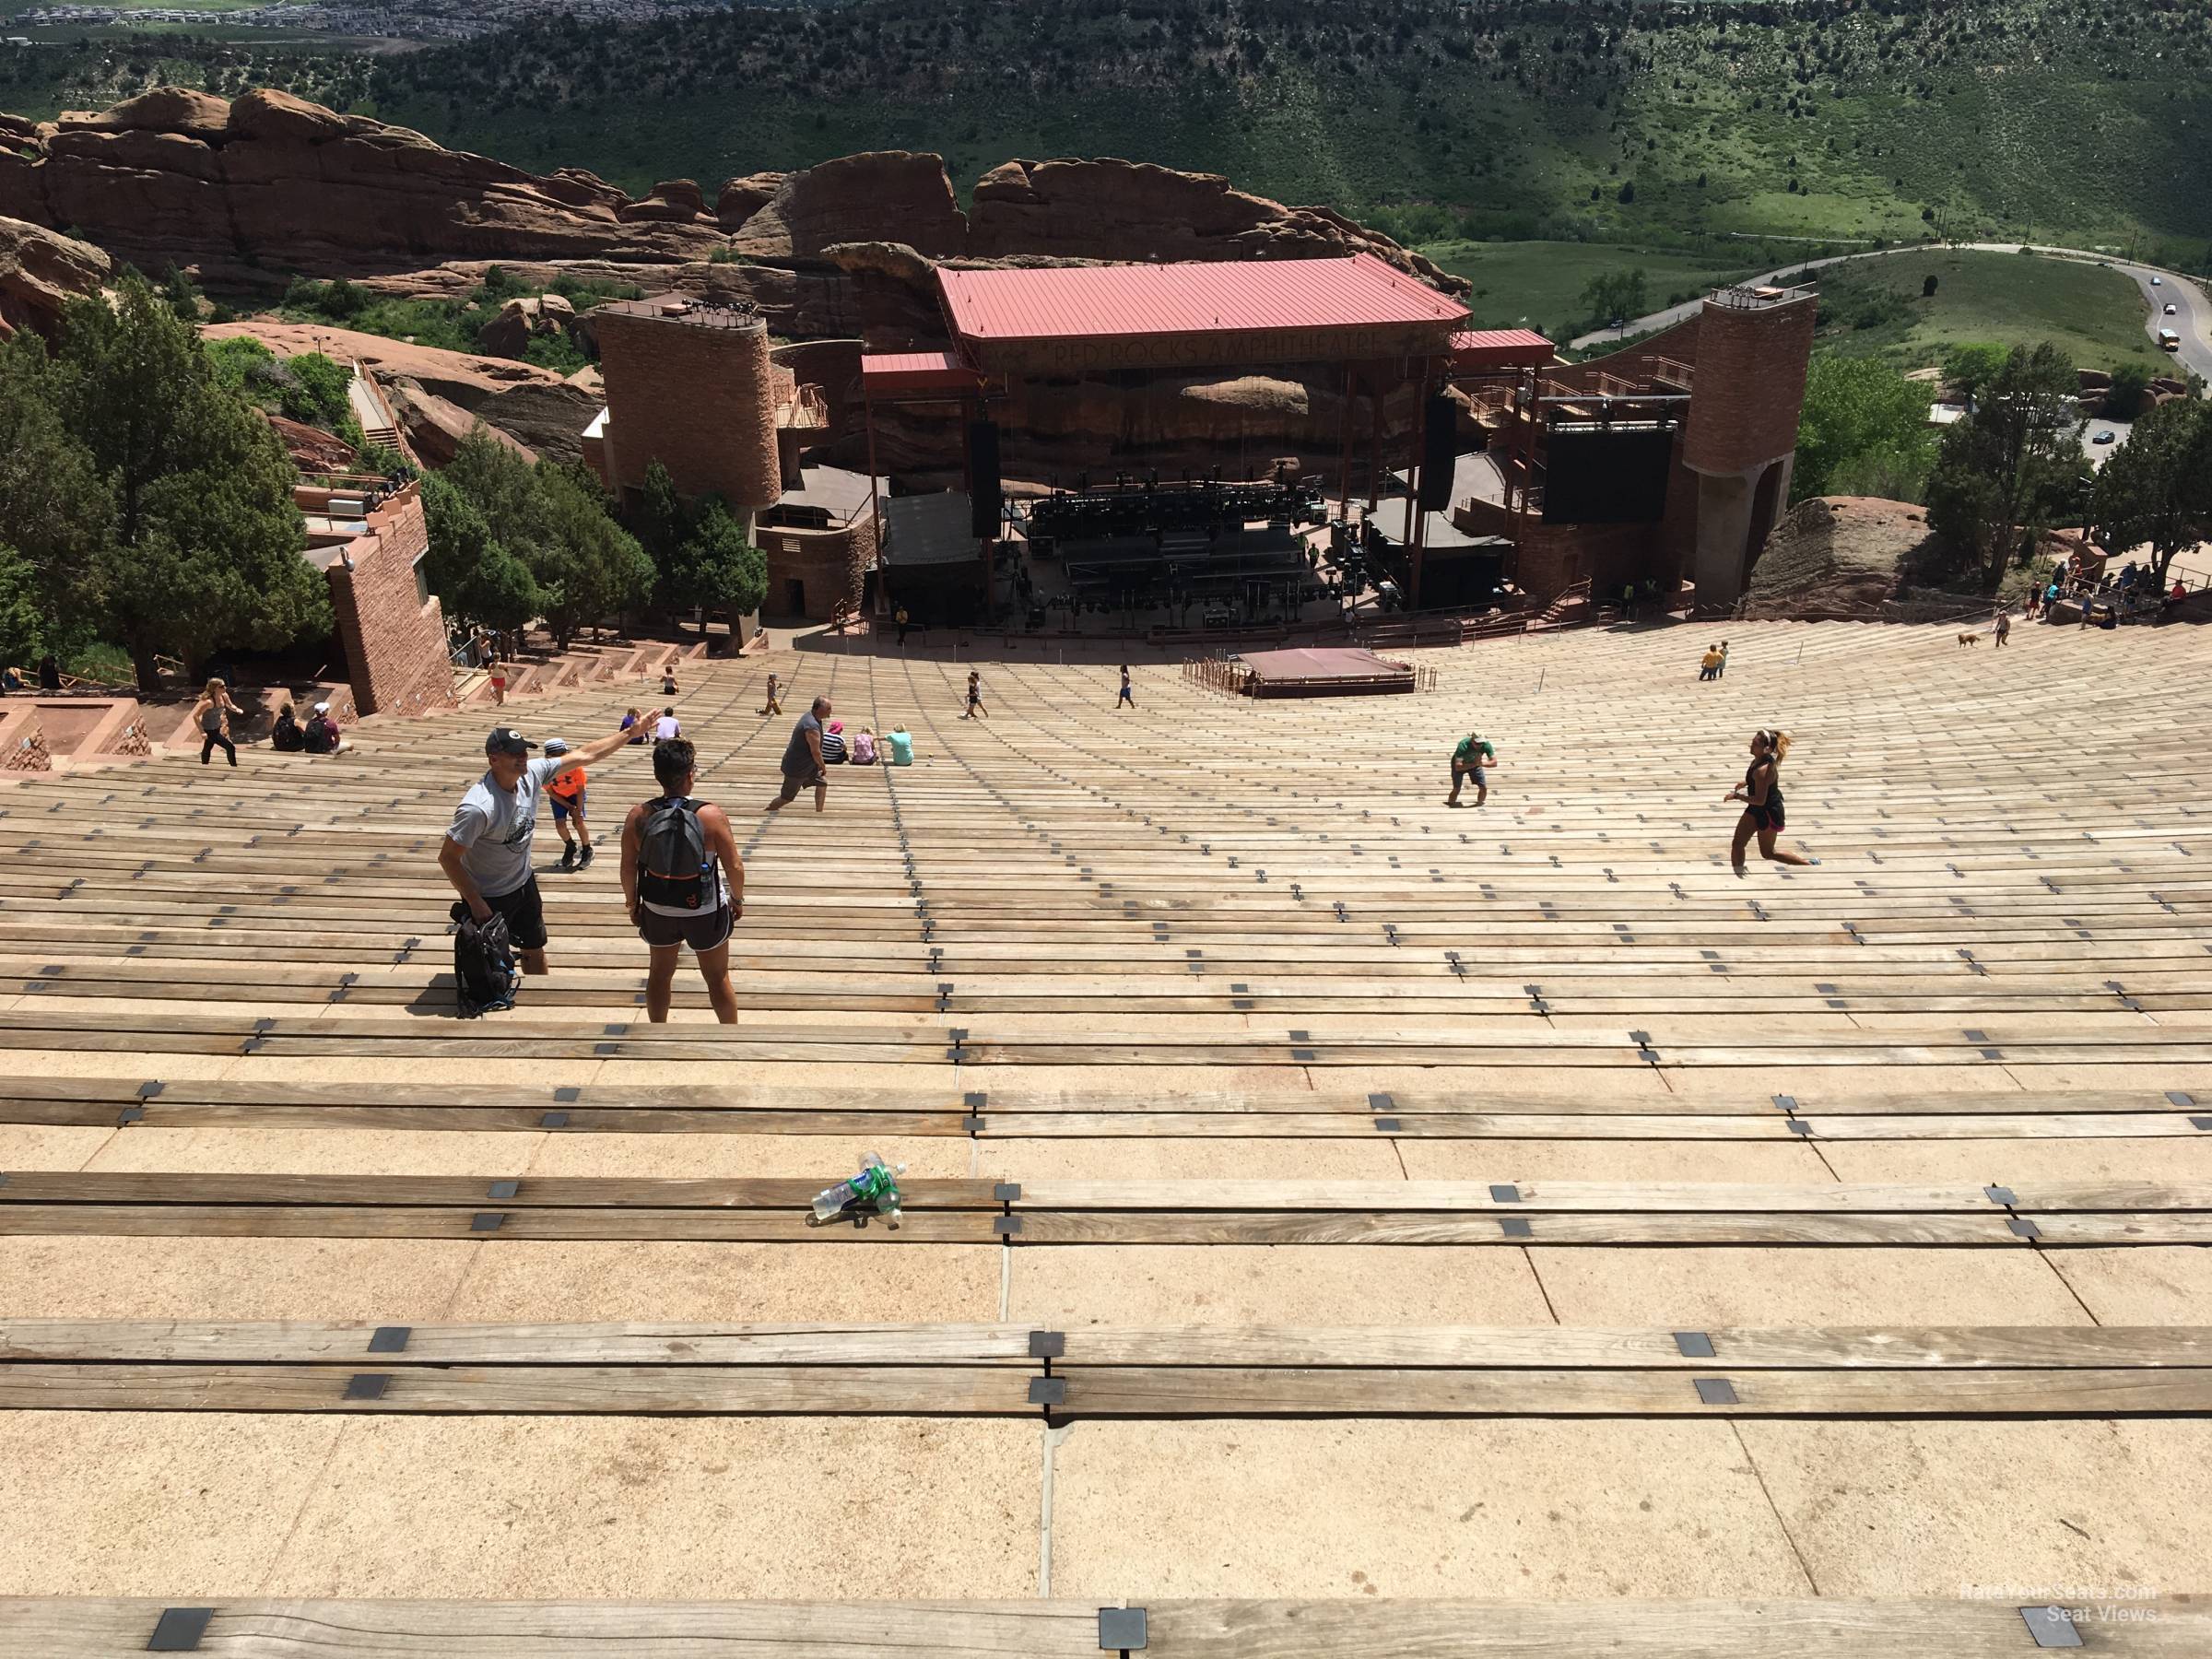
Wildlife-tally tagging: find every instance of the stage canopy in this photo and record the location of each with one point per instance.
(915, 374)
(1494, 350)
(1070, 319)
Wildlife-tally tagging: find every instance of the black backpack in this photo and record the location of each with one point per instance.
(486, 974)
(672, 855)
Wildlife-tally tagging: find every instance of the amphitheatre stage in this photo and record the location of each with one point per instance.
(1336, 1225)
(1322, 671)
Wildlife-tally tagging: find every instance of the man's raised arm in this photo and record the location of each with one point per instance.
(591, 754)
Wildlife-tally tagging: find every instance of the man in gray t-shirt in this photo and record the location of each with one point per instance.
(803, 762)
(486, 852)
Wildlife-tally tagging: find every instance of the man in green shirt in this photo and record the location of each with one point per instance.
(1467, 762)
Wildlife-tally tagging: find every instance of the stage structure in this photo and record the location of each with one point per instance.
(1313, 671)
(1383, 331)
(1668, 460)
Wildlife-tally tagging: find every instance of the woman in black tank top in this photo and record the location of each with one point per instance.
(1761, 796)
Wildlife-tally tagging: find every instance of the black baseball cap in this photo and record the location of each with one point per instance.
(506, 740)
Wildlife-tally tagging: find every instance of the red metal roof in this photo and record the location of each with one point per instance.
(1500, 349)
(1229, 296)
(893, 372)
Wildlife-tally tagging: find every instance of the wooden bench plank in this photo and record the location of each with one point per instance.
(2175, 1626)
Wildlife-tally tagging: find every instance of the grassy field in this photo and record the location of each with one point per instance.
(1876, 308)
(1539, 284)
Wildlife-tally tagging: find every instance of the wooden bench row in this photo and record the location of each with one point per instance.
(2172, 1624)
(2047, 1214)
(1520, 1039)
(1003, 1113)
(1067, 1375)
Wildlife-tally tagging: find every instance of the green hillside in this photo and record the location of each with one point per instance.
(1877, 308)
(1661, 126)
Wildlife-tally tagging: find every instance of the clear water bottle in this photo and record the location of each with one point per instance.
(874, 1188)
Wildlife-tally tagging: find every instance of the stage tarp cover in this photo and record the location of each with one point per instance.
(1320, 670)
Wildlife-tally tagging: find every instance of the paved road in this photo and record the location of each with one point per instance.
(2192, 319)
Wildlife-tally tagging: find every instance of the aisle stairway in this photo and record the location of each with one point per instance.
(1324, 1206)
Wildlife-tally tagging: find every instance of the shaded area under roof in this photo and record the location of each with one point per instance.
(922, 530)
(1392, 515)
(842, 495)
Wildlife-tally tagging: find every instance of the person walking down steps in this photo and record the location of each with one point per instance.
(1126, 696)
(975, 697)
(803, 760)
(212, 715)
(566, 792)
(1468, 761)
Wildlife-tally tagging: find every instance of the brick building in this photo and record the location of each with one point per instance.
(697, 388)
(1712, 404)
(391, 624)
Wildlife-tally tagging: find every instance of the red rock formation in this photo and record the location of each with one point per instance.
(1111, 209)
(182, 176)
(311, 449)
(672, 201)
(40, 272)
(538, 408)
(1105, 209)
(881, 195)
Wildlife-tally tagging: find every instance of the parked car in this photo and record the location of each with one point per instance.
(2105, 437)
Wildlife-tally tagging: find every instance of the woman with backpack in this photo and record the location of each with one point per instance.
(684, 883)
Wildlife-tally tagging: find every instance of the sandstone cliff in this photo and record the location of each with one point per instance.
(271, 178)
(440, 395)
(270, 181)
(40, 272)
(254, 190)
(1103, 209)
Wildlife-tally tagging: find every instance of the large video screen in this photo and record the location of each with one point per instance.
(1594, 475)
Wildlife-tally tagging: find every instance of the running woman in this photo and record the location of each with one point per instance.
(1761, 796)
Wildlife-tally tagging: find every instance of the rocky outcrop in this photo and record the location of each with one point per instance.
(1056, 431)
(672, 201)
(523, 320)
(1837, 556)
(313, 450)
(1111, 209)
(40, 272)
(880, 195)
(182, 176)
(269, 184)
(1105, 209)
(436, 426)
(536, 407)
